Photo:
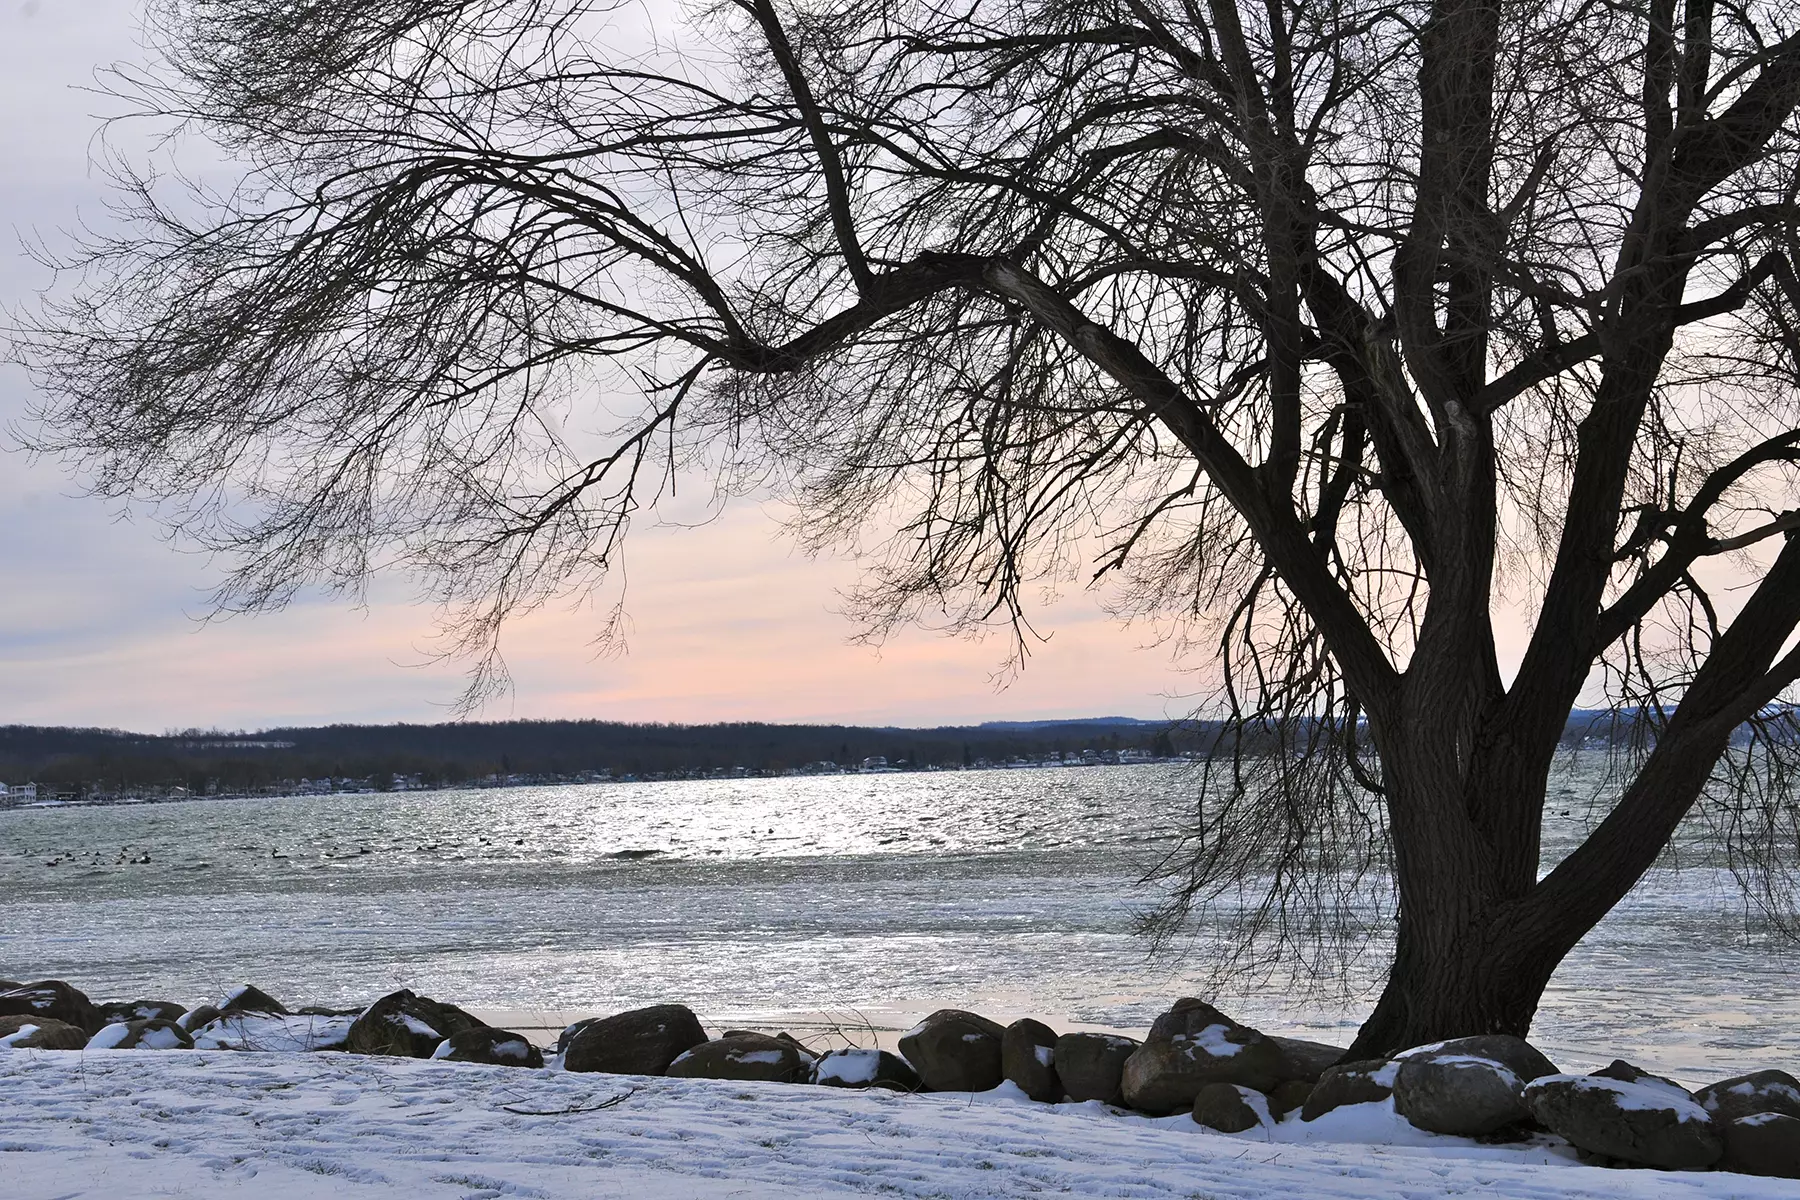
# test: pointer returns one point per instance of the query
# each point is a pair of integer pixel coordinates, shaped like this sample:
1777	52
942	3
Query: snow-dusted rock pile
1195	1059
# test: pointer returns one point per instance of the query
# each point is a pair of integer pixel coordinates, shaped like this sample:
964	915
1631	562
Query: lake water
872	897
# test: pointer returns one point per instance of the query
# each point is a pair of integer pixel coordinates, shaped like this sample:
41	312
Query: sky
102	618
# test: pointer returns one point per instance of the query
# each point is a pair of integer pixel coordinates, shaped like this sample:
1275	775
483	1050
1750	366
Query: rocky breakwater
1194	1060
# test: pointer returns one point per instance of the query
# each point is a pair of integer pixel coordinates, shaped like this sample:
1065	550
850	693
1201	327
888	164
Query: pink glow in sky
728	623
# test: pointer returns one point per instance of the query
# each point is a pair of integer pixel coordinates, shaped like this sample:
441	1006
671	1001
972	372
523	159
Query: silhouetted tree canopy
1341	328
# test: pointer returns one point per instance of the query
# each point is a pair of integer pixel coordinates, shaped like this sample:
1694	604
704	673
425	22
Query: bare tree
1341	324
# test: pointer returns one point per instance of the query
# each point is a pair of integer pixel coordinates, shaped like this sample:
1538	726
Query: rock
955	1051
7	985
197	1018
1747	1095
1361	1082
1288	1096
1639	1123
153	1034
1091	1066
1028	1058
568	1034
1765	1143
141	1010
1192	1045
19	1032
54	999
485	1044
643	1041
246	998
407	1025
1310	1060
1229	1108
804	1050
1625	1072
745	1057
1468	1086
855	1068
1514	1053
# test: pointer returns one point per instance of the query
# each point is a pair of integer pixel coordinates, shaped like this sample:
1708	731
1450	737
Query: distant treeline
102	760
212	760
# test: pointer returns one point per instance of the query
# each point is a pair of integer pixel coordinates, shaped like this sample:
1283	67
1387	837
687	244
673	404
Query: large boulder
955	1051
1625	1072
54	999
568	1034
1091	1066
1747	1095
1192	1045
1028	1059
1309	1060
155	1034
40	1033
643	1041
406	1025
856	1068
197	1018
1765	1143
495	1047
1470	1086
745	1056
1639	1123
246	998
141	1010
1360	1082
1289	1095
1229	1108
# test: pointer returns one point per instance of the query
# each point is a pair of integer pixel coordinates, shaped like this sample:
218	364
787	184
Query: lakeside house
18	794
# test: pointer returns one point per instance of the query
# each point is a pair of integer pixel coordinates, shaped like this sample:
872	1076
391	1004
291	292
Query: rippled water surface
1012	891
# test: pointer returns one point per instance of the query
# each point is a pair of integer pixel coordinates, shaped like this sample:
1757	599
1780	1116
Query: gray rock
1288	1096
1747	1095
198	1018
747	1057
1028	1058
1459	1094
1310	1060
1470	1086
1350	1083
20	1032
568	1034
246	998
494	1047
643	1041
141	1010
54	999
1515	1054
1636	1122
407	1025
154	1034
955	1051
1229	1108
1625	1072
1765	1143
856	1068
1192	1045
1091	1066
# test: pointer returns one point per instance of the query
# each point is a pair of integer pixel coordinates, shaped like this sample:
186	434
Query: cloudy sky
100	617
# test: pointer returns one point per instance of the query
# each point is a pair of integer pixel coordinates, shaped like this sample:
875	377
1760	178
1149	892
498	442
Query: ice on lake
878	897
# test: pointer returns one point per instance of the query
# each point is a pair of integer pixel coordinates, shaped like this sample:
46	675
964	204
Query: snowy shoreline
211	1125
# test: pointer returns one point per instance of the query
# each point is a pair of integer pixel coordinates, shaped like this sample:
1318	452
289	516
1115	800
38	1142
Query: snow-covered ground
131	1125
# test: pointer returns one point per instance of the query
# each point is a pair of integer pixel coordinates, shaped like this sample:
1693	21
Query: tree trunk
1488	978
